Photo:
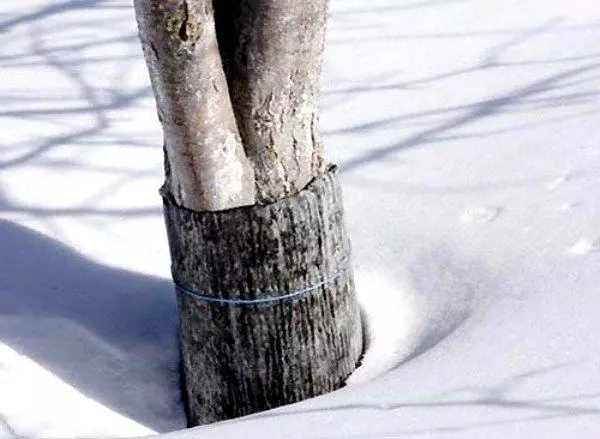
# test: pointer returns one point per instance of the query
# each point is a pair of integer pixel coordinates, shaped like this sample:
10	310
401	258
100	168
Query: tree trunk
205	163
260	255
268	313
272	53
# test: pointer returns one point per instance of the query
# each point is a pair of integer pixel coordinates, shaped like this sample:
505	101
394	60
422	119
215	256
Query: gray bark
248	222
239	359
206	166
272	54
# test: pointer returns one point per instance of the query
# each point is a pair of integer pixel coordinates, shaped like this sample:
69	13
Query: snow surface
468	138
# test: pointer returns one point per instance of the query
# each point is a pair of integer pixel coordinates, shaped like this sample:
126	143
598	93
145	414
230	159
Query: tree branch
206	167
272	53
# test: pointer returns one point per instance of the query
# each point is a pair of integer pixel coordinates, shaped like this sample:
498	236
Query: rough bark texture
243	358
272	54
206	166
251	77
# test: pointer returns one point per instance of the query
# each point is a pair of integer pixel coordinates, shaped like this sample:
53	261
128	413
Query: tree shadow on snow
563	86
499	395
109	333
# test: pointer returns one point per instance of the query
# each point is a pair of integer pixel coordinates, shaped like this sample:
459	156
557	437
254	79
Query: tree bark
259	250
272	52
206	166
268	312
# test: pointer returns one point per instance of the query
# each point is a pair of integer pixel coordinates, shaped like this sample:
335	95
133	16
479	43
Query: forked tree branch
251	79
205	163
272	52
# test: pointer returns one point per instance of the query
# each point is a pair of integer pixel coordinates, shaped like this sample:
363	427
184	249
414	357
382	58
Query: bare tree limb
205	162
272	53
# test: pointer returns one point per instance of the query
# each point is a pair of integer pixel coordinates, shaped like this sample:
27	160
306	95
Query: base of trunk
268	310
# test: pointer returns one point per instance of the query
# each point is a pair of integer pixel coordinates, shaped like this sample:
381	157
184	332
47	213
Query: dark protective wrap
243	358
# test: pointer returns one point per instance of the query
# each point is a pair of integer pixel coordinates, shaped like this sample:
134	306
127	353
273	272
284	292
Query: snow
468	142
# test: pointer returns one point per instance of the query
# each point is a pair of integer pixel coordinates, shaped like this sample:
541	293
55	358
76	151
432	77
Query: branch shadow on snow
499	395
95	105
471	113
561	87
47	11
100	329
